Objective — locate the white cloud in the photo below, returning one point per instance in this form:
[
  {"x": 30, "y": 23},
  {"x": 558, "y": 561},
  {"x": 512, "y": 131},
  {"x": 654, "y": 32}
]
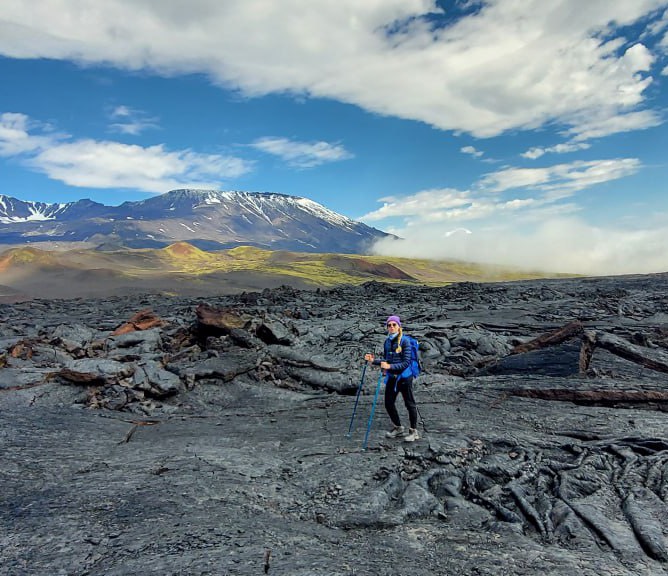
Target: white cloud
[
  {"x": 14, "y": 136},
  {"x": 518, "y": 216},
  {"x": 564, "y": 148},
  {"x": 130, "y": 121},
  {"x": 659, "y": 26},
  {"x": 560, "y": 244},
  {"x": 471, "y": 150},
  {"x": 423, "y": 204},
  {"x": 526, "y": 193},
  {"x": 94, "y": 164},
  {"x": 302, "y": 154},
  {"x": 121, "y": 112},
  {"x": 561, "y": 179},
  {"x": 107, "y": 164},
  {"x": 637, "y": 59},
  {"x": 372, "y": 54},
  {"x": 509, "y": 178},
  {"x": 602, "y": 124}
]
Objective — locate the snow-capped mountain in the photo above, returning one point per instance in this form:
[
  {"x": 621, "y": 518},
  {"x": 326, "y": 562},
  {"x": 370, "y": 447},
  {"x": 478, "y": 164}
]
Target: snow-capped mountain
[
  {"x": 208, "y": 219},
  {"x": 13, "y": 210}
]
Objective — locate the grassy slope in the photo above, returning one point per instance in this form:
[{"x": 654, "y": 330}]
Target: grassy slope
[{"x": 324, "y": 270}]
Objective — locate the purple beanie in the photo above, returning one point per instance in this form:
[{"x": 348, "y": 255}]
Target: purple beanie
[{"x": 393, "y": 319}]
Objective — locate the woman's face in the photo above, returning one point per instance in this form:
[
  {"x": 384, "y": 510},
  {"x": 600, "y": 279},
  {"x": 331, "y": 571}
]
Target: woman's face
[{"x": 392, "y": 327}]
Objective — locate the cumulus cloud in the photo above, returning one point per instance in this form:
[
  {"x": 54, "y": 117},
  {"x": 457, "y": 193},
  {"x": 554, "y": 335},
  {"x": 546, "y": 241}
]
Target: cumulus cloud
[
  {"x": 373, "y": 54},
  {"x": 302, "y": 154},
  {"x": 108, "y": 164}
]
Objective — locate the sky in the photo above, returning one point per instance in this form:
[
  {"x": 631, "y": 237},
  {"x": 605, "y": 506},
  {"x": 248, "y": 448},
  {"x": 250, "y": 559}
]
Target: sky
[{"x": 517, "y": 132}]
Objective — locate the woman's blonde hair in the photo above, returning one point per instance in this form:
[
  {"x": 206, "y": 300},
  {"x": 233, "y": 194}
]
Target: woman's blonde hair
[{"x": 399, "y": 335}]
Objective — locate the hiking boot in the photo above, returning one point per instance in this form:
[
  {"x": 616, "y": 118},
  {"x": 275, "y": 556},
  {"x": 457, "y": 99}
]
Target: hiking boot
[
  {"x": 412, "y": 435},
  {"x": 396, "y": 432}
]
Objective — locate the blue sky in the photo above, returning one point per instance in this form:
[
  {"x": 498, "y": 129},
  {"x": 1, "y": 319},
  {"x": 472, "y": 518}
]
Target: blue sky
[{"x": 517, "y": 132}]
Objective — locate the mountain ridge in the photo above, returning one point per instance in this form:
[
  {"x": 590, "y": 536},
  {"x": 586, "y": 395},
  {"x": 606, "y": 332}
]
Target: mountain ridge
[{"x": 207, "y": 219}]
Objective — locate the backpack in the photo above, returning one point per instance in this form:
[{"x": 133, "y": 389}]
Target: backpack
[{"x": 413, "y": 371}]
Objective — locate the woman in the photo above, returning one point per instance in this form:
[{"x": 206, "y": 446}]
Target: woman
[{"x": 397, "y": 358}]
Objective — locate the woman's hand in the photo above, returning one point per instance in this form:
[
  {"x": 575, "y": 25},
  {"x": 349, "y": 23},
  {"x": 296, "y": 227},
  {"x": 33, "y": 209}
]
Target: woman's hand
[
  {"x": 368, "y": 357},
  {"x": 384, "y": 365}
]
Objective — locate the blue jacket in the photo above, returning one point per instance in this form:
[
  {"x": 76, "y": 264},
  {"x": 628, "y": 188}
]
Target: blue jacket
[{"x": 398, "y": 361}]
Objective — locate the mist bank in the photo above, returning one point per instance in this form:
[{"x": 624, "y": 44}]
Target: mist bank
[{"x": 563, "y": 246}]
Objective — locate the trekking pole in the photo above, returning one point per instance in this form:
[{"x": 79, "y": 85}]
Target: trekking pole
[
  {"x": 357, "y": 399},
  {"x": 373, "y": 409}
]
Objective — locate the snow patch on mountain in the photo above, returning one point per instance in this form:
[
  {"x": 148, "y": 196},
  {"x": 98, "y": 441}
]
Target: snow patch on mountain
[{"x": 13, "y": 210}]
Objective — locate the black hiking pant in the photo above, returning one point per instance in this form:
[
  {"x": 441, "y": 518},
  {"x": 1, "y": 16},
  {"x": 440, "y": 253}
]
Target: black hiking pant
[{"x": 392, "y": 390}]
